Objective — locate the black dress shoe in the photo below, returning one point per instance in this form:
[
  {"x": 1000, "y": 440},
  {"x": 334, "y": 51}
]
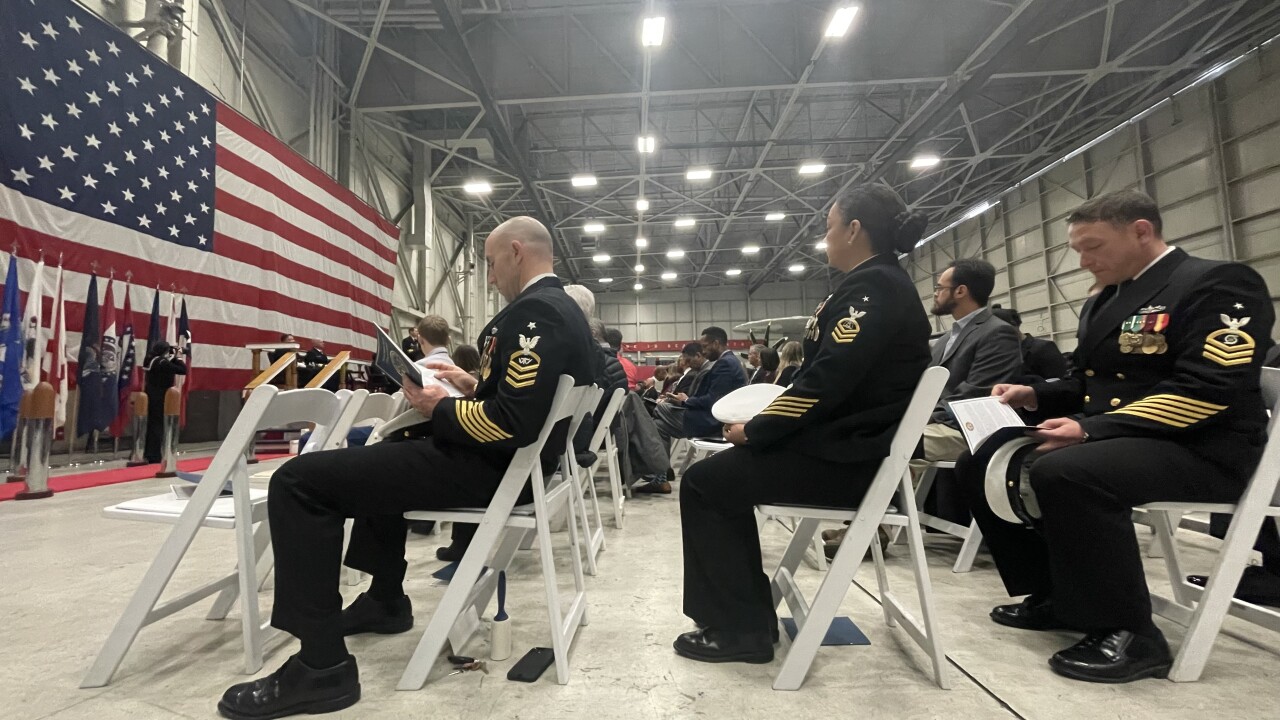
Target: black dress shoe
[
  {"x": 773, "y": 633},
  {"x": 422, "y": 527},
  {"x": 367, "y": 614},
  {"x": 451, "y": 553},
  {"x": 715, "y": 646},
  {"x": 294, "y": 689},
  {"x": 1114, "y": 657},
  {"x": 1031, "y": 614},
  {"x": 1258, "y": 586},
  {"x": 655, "y": 487}
]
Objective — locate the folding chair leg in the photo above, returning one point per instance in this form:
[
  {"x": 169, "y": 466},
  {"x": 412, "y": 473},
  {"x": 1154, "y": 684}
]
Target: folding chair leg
[
  {"x": 819, "y": 553},
  {"x": 932, "y": 641},
  {"x": 262, "y": 550},
  {"x": 250, "y": 613},
  {"x": 882, "y": 581},
  {"x": 615, "y": 482},
  {"x": 1165, "y": 526},
  {"x": 555, "y": 617},
  {"x": 969, "y": 550}
]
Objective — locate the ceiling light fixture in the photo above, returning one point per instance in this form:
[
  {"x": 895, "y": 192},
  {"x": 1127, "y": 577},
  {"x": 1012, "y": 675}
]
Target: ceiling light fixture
[
  {"x": 642, "y": 205},
  {"x": 593, "y": 228},
  {"x": 841, "y": 21},
  {"x": 977, "y": 210},
  {"x": 646, "y": 144},
  {"x": 605, "y": 281},
  {"x": 685, "y": 222},
  {"x": 750, "y": 249},
  {"x": 601, "y": 258},
  {"x": 813, "y": 168},
  {"x": 822, "y": 245},
  {"x": 651, "y": 32},
  {"x": 583, "y": 180},
  {"x": 642, "y": 243},
  {"x": 733, "y": 272},
  {"x": 668, "y": 275},
  {"x": 921, "y": 162},
  {"x": 478, "y": 187},
  {"x": 675, "y": 254},
  {"x": 796, "y": 268},
  {"x": 639, "y": 267},
  {"x": 775, "y": 216},
  {"x": 638, "y": 286},
  {"x": 698, "y": 174}
]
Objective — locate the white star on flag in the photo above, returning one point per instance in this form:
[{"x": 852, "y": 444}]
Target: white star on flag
[
  {"x": 21, "y": 175},
  {"x": 27, "y": 86},
  {"x": 108, "y": 208},
  {"x": 26, "y": 132},
  {"x": 66, "y": 193}
]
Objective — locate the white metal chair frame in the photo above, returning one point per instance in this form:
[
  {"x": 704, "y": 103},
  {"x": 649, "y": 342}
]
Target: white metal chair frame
[
  {"x": 266, "y": 407},
  {"x": 502, "y": 528},
  {"x": 893, "y": 477},
  {"x": 971, "y": 534},
  {"x": 606, "y": 451},
  {"x": 1202, "y": 610}
]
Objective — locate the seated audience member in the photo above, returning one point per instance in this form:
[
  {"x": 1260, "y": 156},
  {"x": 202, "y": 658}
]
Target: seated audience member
[
  {"x": 431, "y": 335},
  {"x": 790, "y": 359},
  {"x": 821, "y": 442},
  {"x": 467, "y": 358},
  {"x": 652, "y": 387},
  {"x": 693, "y": 362},
  {"x": 768, "y": 366},
  {"x": 1041, "y": 358},
  {"x": 1164, "y": 405},
  {"x": 753, "y": 363},
  {"x": 714, "y": 372},
  {"x": 449, "y": 462},
  {"x": 613, "y": 337},
  {"x": 278, "y": 353},
  {"x": 980, "y": 351},
  {"x": 411, "y": 348},
  {"x": 311, "y": 363}
]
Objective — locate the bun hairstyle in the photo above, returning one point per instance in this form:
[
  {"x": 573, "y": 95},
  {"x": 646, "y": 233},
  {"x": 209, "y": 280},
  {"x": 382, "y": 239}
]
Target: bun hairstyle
[{"x": 891, "y": 226}]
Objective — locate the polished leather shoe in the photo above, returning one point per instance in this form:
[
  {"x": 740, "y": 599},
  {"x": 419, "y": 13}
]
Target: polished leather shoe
[
  {"x": 422, "y": 527},
  {"x": 367, "y": 614},
  {"x": 1114, "y": 657},
  {"x": 1031, "y": 614},
  {"x": 294, "y": 689},
  {"x": 1257, "y": 585},
  {"x": 773, "y": 633},
  {"x": 660, "y": 487},
  {"x": 715, "y": 646},
  {"x": 452, "y": 552}
]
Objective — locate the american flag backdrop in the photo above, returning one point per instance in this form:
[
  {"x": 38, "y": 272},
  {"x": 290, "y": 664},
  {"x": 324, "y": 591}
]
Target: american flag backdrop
[{"x": 110, "y": 158}]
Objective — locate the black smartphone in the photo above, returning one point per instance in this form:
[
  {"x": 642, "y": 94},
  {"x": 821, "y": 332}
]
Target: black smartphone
[{"x": 530, "y": 667}]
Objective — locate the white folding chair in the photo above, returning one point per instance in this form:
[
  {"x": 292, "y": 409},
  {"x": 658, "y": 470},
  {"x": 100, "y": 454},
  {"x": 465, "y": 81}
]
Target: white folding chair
[
  {"x": 701, "y": 449},
  {"x": 267, "y": 407},
  {"x": 1202, "y": 610},
  {"x": 502, "y": 528},
  {"x": 606, "y": 451},
  {"x": 970, "y": 534},
  {"x": 892, "y": 477}
]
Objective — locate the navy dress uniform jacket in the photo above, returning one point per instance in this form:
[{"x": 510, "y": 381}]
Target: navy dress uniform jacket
[
  {"x": 1174, "y": 355},
  {"x": 865, "y": 348},
  {"x": 723, "y": 377}
]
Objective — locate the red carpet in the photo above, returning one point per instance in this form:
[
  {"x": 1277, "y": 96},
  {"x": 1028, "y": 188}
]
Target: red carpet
[{"x": 77, "y": 481}]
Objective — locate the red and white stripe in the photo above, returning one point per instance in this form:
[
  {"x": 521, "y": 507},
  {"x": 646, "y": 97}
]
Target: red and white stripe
[{"x": 294, "y": 252}]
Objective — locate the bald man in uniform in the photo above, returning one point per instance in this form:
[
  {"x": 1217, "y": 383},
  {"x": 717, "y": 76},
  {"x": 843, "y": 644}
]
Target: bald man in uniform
[{"x": 457, "y": 459}]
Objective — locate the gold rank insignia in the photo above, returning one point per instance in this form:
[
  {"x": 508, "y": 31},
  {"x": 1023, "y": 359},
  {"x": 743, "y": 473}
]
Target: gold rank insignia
[
  {"x": 789, "y": 406},
  {"x": 475, "y": 421},
  {"x": 522, "y": 370},
  {"x": 1230, "y": 346},
  {"x": 847, "y": 328}
]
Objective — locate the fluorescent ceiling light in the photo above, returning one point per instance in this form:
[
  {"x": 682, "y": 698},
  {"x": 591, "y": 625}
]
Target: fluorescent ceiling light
[
  {"x": 685, "y": 222},
  {"x": 733, "y": 272},
  {"x": 675, "y": 254},
  {"x": 775, "y": 217},
  {"x": 583, "y": 180},
  {"x": 814, "y": 168},
  {"x": 698, "y": 174},
  {"x": 642, "y": 205},
  {"x": 750, "y": 249},
  {"x": 602, "y": 258},
  {"x": 642, "y": 243},
  {"x": 920, "y": 162},
  {"x": 651, "y": 33},
  {"x": 668, "y": 275},
  {"x": 822, "y": 245},
  {"x": 593, "y": 228},
  {"x": 841, "y": 21},
  {"x": 977, "y": 210},
  {"x": 646, "y": 144},
  {"x": 796, "y": 268},
  {"x": 478, "y": 187},
  {"x": 605, "y": 281},
  {"x": 638, "y": 286},
  {"x": 639, "y": 267}
]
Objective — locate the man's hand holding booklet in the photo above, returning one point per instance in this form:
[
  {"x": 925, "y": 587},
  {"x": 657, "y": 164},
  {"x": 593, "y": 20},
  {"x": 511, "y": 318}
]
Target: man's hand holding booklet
[{"x": 395, "y": 364}]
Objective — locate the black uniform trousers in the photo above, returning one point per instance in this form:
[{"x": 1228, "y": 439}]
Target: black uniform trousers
[
  {"x": 312, "y": 495},
  {"x": 1084, "y": 553},
  {"x": 725, "y": 585},
  {"x": 153, "y": 448}
]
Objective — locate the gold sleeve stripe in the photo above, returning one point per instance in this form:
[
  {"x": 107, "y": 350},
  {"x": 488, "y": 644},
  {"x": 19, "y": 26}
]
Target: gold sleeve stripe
[
  {"x": 472, "y": 418},
  {"x": 1185, "y": 400},
  {"x": 1241, "y": 357},
  {"x": 1173, "y": 410},
  {"x": 782, "y": 412},
  {"x": 1190, "y": 413},
  {"x": 797, "y": 401},
  {"x": 466, "y": 417},
  {"x": 844, "y": 332},
  {"x": 1172, "y": 421}
]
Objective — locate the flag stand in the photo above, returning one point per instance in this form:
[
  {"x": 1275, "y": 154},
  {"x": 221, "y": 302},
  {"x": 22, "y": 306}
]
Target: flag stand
[
  {"x": 18, "y": 450},
  {"x": 39, "y": 437}
]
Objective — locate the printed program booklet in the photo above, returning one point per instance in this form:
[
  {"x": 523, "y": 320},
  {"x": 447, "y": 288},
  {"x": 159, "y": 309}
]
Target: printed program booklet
[
  {"x": 983, "y": 418},
  {"x": 393, "y": 363}
]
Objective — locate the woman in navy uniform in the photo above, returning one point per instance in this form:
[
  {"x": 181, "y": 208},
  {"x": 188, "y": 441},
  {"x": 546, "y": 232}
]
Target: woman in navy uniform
[
  {"x": 821, "y": 441},
  {"x": 456, "y": 460},
  {"x": 1163, "y": 405}
]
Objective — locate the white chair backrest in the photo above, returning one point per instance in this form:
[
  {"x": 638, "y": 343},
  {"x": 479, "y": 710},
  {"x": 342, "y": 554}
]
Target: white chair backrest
[
  {"x": 606, "y": 418},
  {"x": 351, "y": 404},
  {"x": 565, "y": 404},
  {"x": 378, "y": 406},
  {"x": 1269, "y": 467},
  {"x": 923, "y": 400}
]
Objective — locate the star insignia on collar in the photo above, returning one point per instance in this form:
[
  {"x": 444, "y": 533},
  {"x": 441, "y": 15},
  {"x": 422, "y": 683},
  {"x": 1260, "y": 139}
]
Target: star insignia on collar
[
  {"x": 533, "y": 326},
  {"x": 866, "y": 299},
  {"x": 1238, "y": 306}
]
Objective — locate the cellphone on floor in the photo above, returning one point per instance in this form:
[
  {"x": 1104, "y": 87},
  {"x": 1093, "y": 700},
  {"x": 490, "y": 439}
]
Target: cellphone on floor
[{"x": 530, "y": 667}]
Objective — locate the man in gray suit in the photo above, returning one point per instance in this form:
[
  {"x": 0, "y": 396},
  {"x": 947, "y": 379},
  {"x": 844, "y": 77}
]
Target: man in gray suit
[{"x": 981, "y": 350}]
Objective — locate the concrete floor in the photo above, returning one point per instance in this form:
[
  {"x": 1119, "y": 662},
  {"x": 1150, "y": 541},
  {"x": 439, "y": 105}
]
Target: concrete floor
[{"x": 68, "y": 573}]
